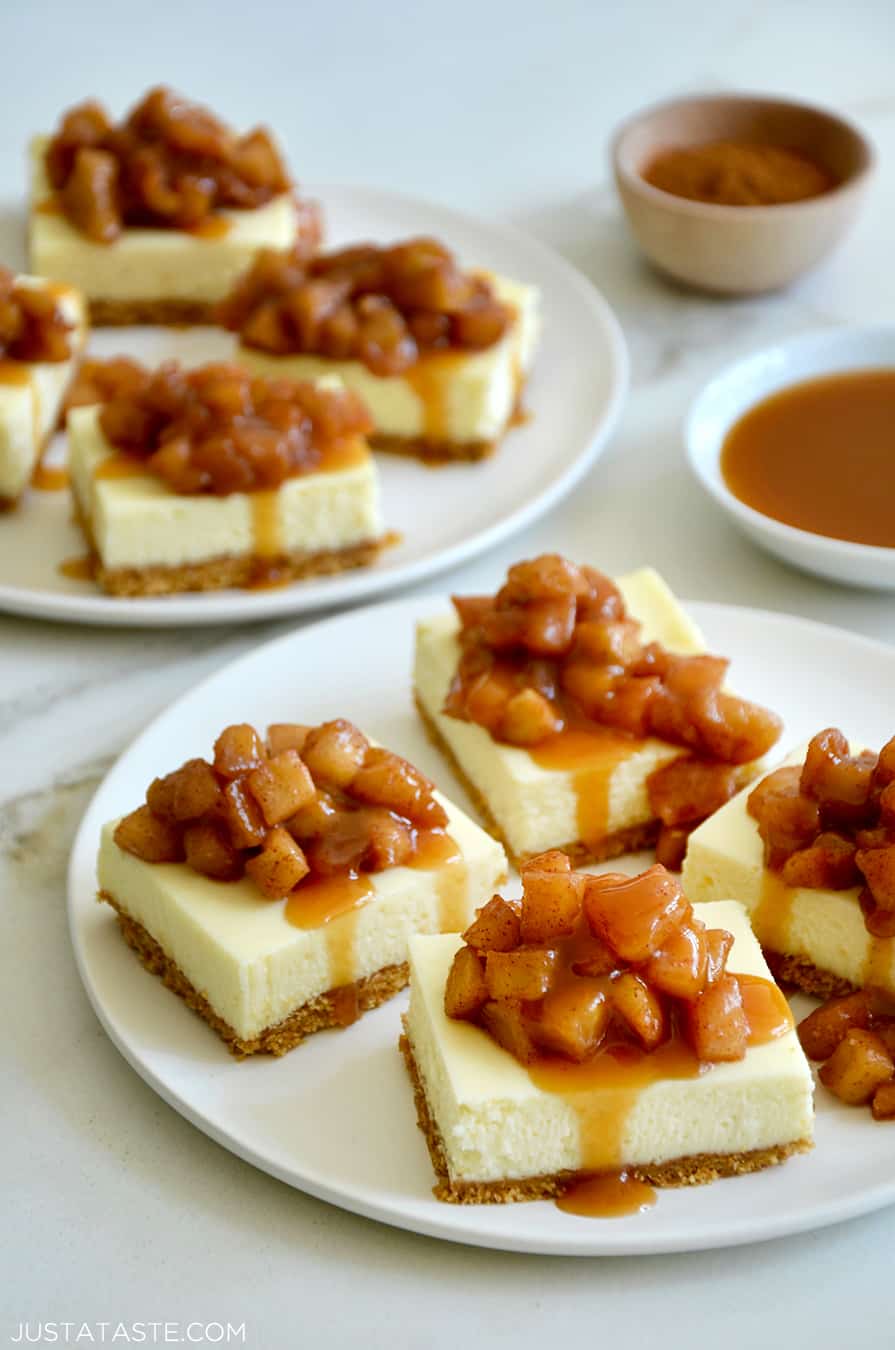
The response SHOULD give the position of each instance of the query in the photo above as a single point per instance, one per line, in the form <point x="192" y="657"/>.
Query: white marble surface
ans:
<point x="118" y="1209"/>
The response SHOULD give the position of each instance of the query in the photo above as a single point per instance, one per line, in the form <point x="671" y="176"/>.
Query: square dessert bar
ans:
<point x="803" y="888"/>
<point x="155" y="218"/>
<point x="586" y="788"/>
<point x="218" y="506"/>
<point x="273" y="931"/>
<point x="521" y="1099"/>
<point x="47" y="329"/>
<point x="439" y="356"/>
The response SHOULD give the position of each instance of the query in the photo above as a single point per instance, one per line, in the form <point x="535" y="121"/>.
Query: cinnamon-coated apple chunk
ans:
<point x="495" y="928"/>
<point x="633" y="914"/>
<point x="526" y="973"/>
<point x="286" y="736"/>
<point x="857" y="1067"/>
<point x="282" y="786"/>
<point x="237" y="750"/>
<point x="822" y="1030"/>
<point x="207" y="851"/>
<point x="149" y="836"/>
<point x="504" y="1020"/>
<point x="640" y="1008"/>
<point x="335" y="751"/>
<point x="883" y="1104"/>
<point x="185" y="794"/>
<point x="717" y="1023"/>
<point x="680" y="967"/>
<point x="570" y="1021"/>
<point x="465" y="992"/>
<point x="390" y="781"/>
<point x="551" y="903"/>
<point x="242" y="815"/>
<point x="280" y="865"/>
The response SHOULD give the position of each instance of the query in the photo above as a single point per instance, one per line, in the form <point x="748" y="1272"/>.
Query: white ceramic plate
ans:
<point x="740" y="387"/>
<point x="444" y="515"/>
<point x="336" y="1117"/>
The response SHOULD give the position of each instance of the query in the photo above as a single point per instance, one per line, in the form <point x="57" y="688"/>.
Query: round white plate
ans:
<point x="336" y="1116"/>
<point x="445" y="515"/>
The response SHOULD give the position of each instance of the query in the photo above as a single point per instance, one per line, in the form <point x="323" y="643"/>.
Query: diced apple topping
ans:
<point x="384" y="306"/>
<point x="855" y="1036"/>
<point x="466" y="992"/>
<point x="586" y="963"/>
<point x="555" y="649"/>
<point x="495" y="928"/>
<point x="830" y="824"/>
<point x="283" y="810"/>
<point x="32" y="324"/>
<point x="858" y="1066"/>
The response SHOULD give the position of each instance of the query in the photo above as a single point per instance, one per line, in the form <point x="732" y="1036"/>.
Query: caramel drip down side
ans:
<point x="438" y="852"/>
<point x="334" y="904"/>
<point x="590" y="758"/>
<point x="267" y="541"/>
<point x="430" y="379"/>
<point x="772" y="916"/>
<point x="877" y="970"/>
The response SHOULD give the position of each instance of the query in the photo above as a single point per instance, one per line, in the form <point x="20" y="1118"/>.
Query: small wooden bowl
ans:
<point x="740" y="250"/>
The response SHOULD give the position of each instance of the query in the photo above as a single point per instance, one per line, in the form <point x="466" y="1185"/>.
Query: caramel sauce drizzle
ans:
<point x="430" y="379"/>
<point x="14" y="372"/>
<point x="78" y="569"/>
<point x="590" y="758"/>
<point x="322" y="902"/>
<point x="609" y="1195"/>
<point x="121" y="465"/>
<point x="437" y="850"/>
<point x="211" y="227"/>
<point x="49" y="478"/>
<point x="772" y="916"/>
<point x="266" y="531"/>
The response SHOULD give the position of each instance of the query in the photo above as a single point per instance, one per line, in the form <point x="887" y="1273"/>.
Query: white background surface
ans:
<point x="118" y="1209"/>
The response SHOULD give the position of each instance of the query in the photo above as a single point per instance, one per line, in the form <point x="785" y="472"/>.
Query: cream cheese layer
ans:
<point x="253" y="965"/>
<point x="138" y="521"/>
<point x="496" y="1124"/>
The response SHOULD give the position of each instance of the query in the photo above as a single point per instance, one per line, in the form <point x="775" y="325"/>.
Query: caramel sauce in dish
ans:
<point x="820" y="456"/>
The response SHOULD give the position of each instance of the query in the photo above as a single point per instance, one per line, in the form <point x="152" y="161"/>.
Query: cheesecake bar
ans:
<point x="602" y="1025"/>
<point x="155" y="217"/>
<point x="439" y="356"/>
<point x="200" y="479"/>
<point x="43" y="329"/>
<point x="810" y="852"/>
<point x="274" y="888"/>
<point x="584" y="714"/>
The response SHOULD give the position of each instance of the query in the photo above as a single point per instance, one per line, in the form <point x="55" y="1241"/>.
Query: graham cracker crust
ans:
<point x="805" y="975"/>
<point x="630" y="840"/>
<point x="220" y="573"/>
<point x="130" y="313"/>
<point x="432" y="452"/>
<point x="318" y="1014"/>
<point x="697" y="1170"/>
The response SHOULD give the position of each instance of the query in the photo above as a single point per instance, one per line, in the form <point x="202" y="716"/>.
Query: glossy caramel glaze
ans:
<point x="820" y="456"/>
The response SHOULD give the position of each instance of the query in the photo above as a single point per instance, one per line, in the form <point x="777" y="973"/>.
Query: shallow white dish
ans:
<point x="724" y="400"/>
<point x="446" y="515"/>
<point x="336" y="1118"/>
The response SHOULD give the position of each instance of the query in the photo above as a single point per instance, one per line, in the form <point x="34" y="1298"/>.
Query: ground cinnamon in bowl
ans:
<point x="738" y="173"/>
